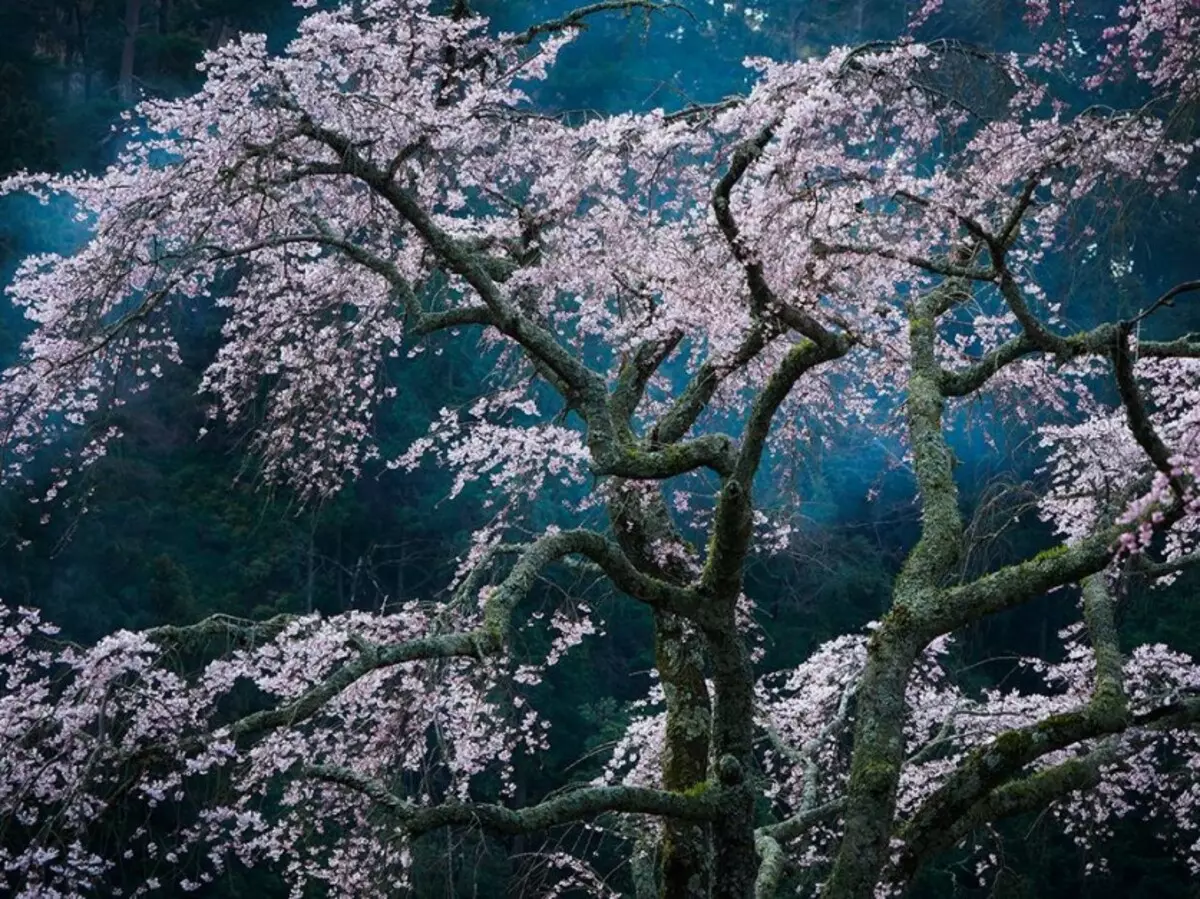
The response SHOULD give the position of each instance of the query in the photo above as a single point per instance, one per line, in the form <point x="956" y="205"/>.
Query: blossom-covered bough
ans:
<point x="674" y="301"/>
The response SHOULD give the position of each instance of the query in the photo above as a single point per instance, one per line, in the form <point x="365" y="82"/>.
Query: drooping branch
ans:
<point x="1017" y="583"/>
<point x="1035" y="791"/>
<point x="598" y="549"/>
<point x="806" y="757"/>
<point x="238" y="631"/>
<point x="491" y="636"/>
<point x="964" y="382"/>
<point x="108" y="335"/>
<point x="800" y="359"/>
<point x="1029" y="794"/>
<point x="1181" y="714"/>
<point x="1011" y="228"/>
<point x="1186" y="347"/>
<point x="768" y="842"/>
<point x="792" y="827"/>
<point x="947" y="268"/>
<point x="768" y="839"/>
<point x="421" y="321"/>
<point x="469" y="644"/>
<point x="583" y="388"/>
<point x="1166" y="299"/>
<point x="762" y="298"/>
<point x="1142" y="565"/>
<point x="608" y="556"/>
<point x="575" y="805"/>
<point x="461" y="261"/>
<point x="989" y="767"/>
<point x="635" y="374"/>
<point x="695" y="397"/>
<point x="1135" y="410"/>
<point x="624" y="460"/>
<point x="1036" y="330"/>
<point x="743" y="156"/>
<point x="1097" y="341"/>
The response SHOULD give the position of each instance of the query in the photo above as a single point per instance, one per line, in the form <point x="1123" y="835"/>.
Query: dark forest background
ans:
<point x="178" y="528"/>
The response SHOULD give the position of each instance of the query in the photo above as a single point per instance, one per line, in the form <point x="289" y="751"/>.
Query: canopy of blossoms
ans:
<point x="674" y="301"/>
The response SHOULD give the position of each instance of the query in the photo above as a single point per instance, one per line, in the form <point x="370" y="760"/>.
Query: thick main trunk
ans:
<point x="736" y="861"/>
<point x="685" y="848"/>
<point x="881" y="713"/>
<point x="876" y="761"/>
<point x="718" y="861"/>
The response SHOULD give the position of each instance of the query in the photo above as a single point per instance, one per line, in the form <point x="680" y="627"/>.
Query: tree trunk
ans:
<point x="643" y="868"/>
<point x="686" y="851"/>
<point x="736" y="861"/>
<point x="133" y="10"/>
<point x="76" y="83"/>
<point x="875" y="764"/>
<point x="162" y="26"/>
<point x="220" y="33"/>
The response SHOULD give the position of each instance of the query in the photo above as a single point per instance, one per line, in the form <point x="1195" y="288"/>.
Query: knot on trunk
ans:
<point x="729" y="771"/>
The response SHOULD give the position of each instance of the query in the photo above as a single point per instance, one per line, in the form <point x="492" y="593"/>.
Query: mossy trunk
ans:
<point x="876" y="761"/>
<point x="641" y="521"/>
<point x="686" y="850"/>
<point x="735" y="858"/>
<point x="717" y="861"/>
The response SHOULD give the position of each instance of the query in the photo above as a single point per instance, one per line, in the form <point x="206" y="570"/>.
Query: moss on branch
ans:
<point x="576" y="805"/>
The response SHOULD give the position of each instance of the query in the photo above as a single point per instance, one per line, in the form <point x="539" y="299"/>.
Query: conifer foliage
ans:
<point x="674" y="302"/>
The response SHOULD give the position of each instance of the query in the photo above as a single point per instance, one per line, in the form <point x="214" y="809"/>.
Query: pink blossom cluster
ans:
<point x="850" y="249"/>
<point x="75" y="722"/>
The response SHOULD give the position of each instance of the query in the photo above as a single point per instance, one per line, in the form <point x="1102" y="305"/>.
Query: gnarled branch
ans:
<point x="575" y="805"/>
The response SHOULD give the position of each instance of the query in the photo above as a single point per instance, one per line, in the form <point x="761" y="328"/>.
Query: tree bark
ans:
<point x="685" y="854"/>
<point x="875" y="765"/>
<point x="686" y="851"/>
<point x="735" y="866"/>
<point x="881" y="712"/>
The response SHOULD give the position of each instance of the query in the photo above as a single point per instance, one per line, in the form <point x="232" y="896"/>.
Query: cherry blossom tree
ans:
<point x="674" y="302"/>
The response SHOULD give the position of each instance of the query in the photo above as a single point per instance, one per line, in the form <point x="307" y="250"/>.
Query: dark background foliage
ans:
<point x="180" y="528"/>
